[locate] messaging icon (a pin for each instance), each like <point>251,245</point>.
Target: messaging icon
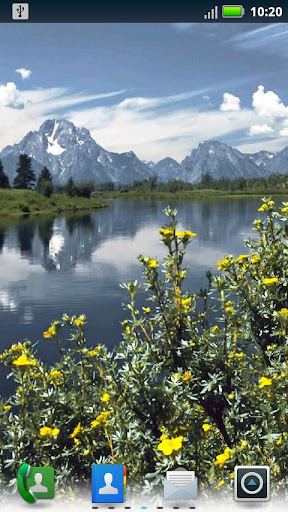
<point>180,484</point>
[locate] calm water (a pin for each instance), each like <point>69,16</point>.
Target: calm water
<point>49,266</point>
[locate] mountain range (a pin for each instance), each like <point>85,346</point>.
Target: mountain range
<point>69,151</point>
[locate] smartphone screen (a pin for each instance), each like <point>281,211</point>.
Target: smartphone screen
<point>143,256</point>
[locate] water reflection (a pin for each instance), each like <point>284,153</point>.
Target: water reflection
<point>51,265</point>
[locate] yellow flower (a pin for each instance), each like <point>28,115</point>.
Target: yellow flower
<point>24,361</point>
<point>268,206</point>
<point>264,381</point>
<point>100,419</point>
<point>152,263</point>
<point>222,482</point>
<point>215,329</point>
<point>187,377</point>
<point>76,430</point>
<point>168,446</point>
<point>242,257</point>
<point>255,259</point>
<point>279,441</point>
<point>222,458</point>
<point>285,209</point>
<point>7,407</point>
<point>94,352</point>
<point>86,452</point>
<point>147,310</point>
<point>231,396</point>
<point>206,426</point>
<point>192,344</point>
<point>80,321</point>
<point>128,329</point>
<point>49,432</point>
<point>189,234</point>
<point>270,280</point>
<point>271,347</point>
<point>50,333</point>
<point>106,398</point>
<point>166,232</point>
<point>77,441</point>
<point>243,444</point>
<point>177,375</point>
<point>56,376</point>
<point>186,303</point>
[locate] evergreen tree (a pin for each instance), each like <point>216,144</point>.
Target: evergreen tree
<point>25,176</point>
<point>4,180</point>
<point>70,188</point>
<point>44,183</point>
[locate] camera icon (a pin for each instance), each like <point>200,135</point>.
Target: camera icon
<point>252,483</point>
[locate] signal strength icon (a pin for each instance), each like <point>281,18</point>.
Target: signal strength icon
<point>212,15</point>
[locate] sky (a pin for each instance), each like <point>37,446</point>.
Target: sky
<point>156,89</point>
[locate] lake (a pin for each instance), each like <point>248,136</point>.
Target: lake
<point>74,264</point>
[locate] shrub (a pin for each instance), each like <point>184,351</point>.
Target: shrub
<point>197,381</point>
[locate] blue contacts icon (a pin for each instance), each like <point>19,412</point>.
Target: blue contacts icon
<point>108,483</point>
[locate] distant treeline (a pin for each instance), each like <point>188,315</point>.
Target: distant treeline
<point>25,179</point>
<point>273,182</point>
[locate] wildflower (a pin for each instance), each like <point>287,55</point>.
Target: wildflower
<point>94,352</point>
<point>242,257</point>
<point>255,258</point>
<point>226,263</point>
<point>270,280</point>
<point>168,446</point>
<point>76,430</point>
<point>185,235</point>
<point>56,376</point>
<point>238,355</point>
<point>152,263</point>
<point>285,209</point>
<point>50,333</point>
<point>279,441</point>
<point>215,329</point>
<point>192,344</point>
<point>147,310</point>
<point>222,482</point>
<point>128,329</point>
<point>231,396</point>
<point>106,398</point>
<point>7,407</point>
<point>186,303</point>
<point>80,321</point>
<point>243,444</point>
<point>187,377</point>
<point>165,232</point>
<point>86,452</point>
<point>222,458</point>
<point>49,432</point>
<point>229,309</point>
<point>283,313</point>
<point>66,318</point>
<point>100,419</point>
<point>24,361</point>
<point>206,426</point>
<point>264,381</point>
<point>266,206</point>
<point>269,348</point>
<point>77,441</point>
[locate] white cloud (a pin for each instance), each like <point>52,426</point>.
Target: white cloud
<point>268,104</point>
<point>230,103</point>
<point>260,129</point>
<point>10,96</point>
<point>206,97</point>
<point>25,73</point>
<point>284,132</point>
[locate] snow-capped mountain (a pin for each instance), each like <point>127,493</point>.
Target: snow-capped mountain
<point>167,169</point>
<point>69,151</point>
<point>220,161</point>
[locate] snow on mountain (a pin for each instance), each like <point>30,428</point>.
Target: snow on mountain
<point>68,151</point>
<point>220,161</point>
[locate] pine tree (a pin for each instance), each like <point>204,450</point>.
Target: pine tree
<point>44,183</point>
<point>25,176</point>
<point>4,180</point>
<point>70,188</point>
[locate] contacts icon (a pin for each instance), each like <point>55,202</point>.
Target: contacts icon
<point>108,483</point>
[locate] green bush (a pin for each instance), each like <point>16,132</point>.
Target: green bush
<point>197,381</point>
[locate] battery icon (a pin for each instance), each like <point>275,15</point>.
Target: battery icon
<point>233,11</point>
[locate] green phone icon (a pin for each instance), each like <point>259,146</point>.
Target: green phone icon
<point>35,483</point>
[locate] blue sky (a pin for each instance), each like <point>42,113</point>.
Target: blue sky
<point>156,89</point>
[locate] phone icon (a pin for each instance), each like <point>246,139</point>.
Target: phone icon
<point>35,483</point>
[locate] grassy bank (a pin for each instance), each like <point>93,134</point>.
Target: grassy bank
<point>188,194</point>
<point>19,202</point>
